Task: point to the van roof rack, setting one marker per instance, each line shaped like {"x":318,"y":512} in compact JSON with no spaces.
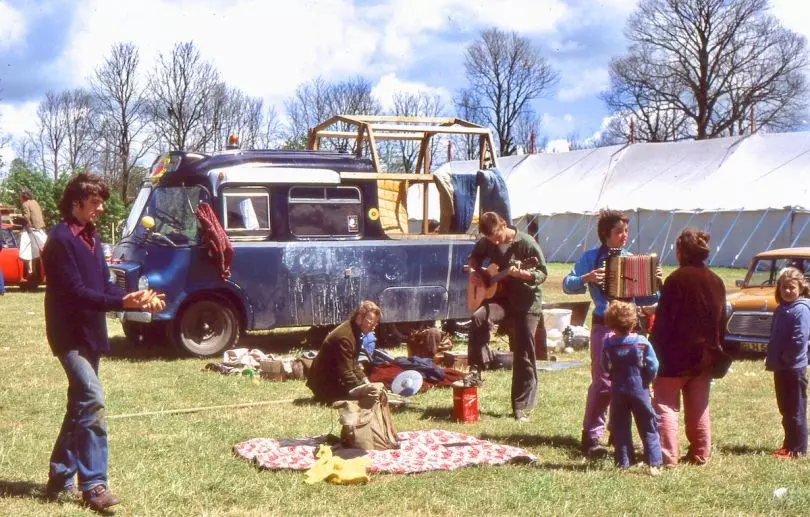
{"x":370,"y":129}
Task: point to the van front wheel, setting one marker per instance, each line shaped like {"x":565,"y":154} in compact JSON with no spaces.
{"x":207,"y":327}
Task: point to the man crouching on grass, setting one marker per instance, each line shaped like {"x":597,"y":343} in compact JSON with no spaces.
{"x":77,"y":294}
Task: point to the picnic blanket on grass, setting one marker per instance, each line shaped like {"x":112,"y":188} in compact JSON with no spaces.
{"x":420,"y":451}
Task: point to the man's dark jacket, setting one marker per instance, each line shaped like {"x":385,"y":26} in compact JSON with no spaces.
{"x":78,"y":292}
{"x":335,"y":370}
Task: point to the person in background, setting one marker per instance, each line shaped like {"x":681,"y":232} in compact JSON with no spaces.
{"x":522,"y":304}
{"x":787,"y":359}
{"x":687,"y":337}
{"x":77,"y":295}
{"x":33,"y":237}
{"x":336,"y":373}
{"x":588,"y":275}
{"x":630,"y":361}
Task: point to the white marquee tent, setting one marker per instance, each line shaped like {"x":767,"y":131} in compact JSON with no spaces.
{"x":751,"y":194}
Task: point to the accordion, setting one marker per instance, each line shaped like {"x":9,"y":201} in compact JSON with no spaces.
{"x":629,"y":276}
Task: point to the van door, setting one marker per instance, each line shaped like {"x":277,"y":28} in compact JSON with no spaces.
{"x":324,"y":266}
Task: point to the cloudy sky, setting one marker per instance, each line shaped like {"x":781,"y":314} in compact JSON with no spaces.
{"x":267,"y":47}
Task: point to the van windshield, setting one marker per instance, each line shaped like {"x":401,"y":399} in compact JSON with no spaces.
{"x":172,"y":208}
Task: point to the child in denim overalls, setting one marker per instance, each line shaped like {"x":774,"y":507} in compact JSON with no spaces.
{"x":630,"y":360}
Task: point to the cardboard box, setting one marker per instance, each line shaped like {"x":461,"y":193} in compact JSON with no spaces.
{"x":455,"y":360}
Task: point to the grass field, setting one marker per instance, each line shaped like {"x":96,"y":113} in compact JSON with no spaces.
{"x":183,"y":464}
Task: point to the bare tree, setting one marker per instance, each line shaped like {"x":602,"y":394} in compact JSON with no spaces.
{"x":419,"y":104}
{"x":79,"y":116}
{"x":527,"y":128}
{"x":272,"y":129}
{"x":235,"y":113}
{"x":696,"y":68}
{"x":181,"y":90}
{"x":122,"y":102}
{"x":506,"y":72}
{"x":317,"y":100}
{"x":468,"y":107}
{"x":51,"y":132}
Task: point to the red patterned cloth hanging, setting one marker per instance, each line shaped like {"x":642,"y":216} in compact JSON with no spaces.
{"x":219,"y":245}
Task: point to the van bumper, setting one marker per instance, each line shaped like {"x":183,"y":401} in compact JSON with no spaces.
{"x":133,"y":316}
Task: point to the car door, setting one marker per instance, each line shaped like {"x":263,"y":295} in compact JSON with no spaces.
{"x":10,"y":258}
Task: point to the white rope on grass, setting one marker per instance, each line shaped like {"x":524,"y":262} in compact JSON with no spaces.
{"x":199,"y":409}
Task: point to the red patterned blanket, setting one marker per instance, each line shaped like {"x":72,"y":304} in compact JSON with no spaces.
{"x":420,"y":451}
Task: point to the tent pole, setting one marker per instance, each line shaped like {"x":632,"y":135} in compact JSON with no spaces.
{"x":652,"y":244}
{"x":756,"y":227}
{"x":781,"y":226}
{"x":666,"y":251}
{"x":728,"y":232}
{"x":801,"y":231}
{"x":581,"y":241}
{"x":540,"y":228}
{"x":551,"y":257}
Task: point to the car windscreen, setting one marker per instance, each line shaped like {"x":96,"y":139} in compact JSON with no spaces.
{"x":764,"y":272}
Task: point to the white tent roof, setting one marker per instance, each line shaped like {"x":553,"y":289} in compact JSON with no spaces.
{"x":752,"y":173}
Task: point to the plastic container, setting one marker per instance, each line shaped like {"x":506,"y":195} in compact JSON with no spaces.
{"x":556,"y":319}
{"x":465,"y":404}
{"x":554,"y":340}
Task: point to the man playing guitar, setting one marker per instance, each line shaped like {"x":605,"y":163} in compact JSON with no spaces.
{"x":522,"y":305}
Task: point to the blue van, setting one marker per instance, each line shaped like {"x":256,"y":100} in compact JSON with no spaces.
{"x":313,"y":234}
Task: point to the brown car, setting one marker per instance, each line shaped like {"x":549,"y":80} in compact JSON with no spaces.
{"x":749,"y":312}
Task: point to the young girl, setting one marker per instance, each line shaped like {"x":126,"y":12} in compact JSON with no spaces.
{"x":630,"y":360}
{"x":787,"y":359}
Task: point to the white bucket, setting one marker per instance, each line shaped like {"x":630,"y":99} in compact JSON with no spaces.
{"x":556,"y":319}
{"x":553,"y":340}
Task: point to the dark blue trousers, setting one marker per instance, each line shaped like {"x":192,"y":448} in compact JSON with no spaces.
{"x":791,"y":397}
{"x":636,"y":404}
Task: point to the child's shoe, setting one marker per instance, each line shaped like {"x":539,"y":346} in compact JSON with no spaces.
{"x":784,"y":454}
{"x":655,"y":470}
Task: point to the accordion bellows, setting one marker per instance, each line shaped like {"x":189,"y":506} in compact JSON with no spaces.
{"x":630,"y":276}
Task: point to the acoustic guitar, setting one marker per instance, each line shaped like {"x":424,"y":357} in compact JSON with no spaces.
{"x":491,"y":277}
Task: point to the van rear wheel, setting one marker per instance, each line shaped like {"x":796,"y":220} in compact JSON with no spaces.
{"x":206,"y":328}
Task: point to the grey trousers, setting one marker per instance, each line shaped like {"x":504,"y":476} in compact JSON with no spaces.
{"x":521,"y":342}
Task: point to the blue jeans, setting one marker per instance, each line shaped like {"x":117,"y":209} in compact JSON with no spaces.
{"x":791,"y":398}
{"x":81,"y":446}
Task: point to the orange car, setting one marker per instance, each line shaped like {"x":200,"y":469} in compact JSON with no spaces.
{"x":749,"y":312}
{"x":11,"y":265}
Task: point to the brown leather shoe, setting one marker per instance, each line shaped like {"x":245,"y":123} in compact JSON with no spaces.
{"x":57,"y":490}
{"x":99,"y":498}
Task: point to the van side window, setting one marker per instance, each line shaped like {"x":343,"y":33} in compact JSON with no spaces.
{"x":247,"y":212}
{"x":325,"y":212}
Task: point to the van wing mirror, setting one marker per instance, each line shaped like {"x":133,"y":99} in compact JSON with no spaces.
{"x":739,"y":283}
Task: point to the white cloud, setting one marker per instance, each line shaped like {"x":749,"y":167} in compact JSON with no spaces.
{"x":557,"y":146}
{"x":12,"y":26}
{"x":390,"y":84}
{"x":16,"y":121}
{"x":793,"y":15}
{"x":558,"y":126}
{"x":583,"y":82}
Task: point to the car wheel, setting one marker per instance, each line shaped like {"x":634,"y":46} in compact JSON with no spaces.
{"x":206,"y":327}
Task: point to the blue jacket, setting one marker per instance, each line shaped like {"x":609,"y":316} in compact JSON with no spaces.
{"x":787,"y":348}
{"x":78,"y":292}
{"x":573,"y":284}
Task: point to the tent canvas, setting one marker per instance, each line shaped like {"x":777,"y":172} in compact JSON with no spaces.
{"x":750,"y":192}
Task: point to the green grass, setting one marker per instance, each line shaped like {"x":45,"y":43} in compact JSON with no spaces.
{"x":183,"y":464}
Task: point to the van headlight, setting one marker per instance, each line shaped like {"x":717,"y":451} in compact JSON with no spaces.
{"x":143,"y":283}
{"x":113,"y":277}
{"x":729,"y":308}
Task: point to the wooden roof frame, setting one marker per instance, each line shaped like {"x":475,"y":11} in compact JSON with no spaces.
{"x":373,"y":128}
